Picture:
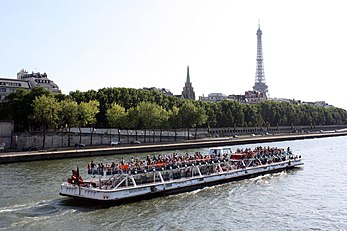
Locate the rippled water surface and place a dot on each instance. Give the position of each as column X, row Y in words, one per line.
column 313, row 197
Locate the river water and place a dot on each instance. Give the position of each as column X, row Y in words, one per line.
column 313, row 197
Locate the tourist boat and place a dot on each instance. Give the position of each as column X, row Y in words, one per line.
column 178, row 173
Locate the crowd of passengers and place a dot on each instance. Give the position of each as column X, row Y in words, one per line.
column 263, row 155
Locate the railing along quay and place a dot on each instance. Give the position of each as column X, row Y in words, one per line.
column 14, row 157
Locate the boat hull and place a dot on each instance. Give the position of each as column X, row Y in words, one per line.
column 147, row 191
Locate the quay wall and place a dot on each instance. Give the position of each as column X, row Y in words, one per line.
column 102, row 151
column 6, row 130
column 93, row 137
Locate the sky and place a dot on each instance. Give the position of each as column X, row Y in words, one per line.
column 88, row 44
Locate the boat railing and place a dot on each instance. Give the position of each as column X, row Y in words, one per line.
column 177, row 164
column 126, row 180
column 161, row 166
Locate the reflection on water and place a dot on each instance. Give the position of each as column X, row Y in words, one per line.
column 312, row 197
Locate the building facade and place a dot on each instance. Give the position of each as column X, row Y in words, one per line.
column 38, row 80
column 249, row 97
column 26, row 81
column 238, row 98
column 213, row 97
column 254, row 97
column 188, row 91
column 8, row 86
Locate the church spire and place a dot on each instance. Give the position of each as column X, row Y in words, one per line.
column 188, row 77
column 188, row 91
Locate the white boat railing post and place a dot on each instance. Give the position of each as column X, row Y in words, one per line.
column 171, row 174
column 133, row 180
column 121, row 182
column 220, row 168
column 161, row 177
column 198, row 171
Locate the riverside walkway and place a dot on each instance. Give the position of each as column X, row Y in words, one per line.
column 14, row 157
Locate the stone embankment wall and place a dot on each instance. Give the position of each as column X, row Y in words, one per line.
column 272, row 130
column 6, row 130
column 89, row 137
column 15, row 157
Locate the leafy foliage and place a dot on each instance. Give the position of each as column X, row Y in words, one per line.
column 69, row 113
column 45, row 111
column 133, row 109
column 86, row 113
column 116, row 116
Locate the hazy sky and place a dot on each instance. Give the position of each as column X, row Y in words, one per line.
column 86, row 44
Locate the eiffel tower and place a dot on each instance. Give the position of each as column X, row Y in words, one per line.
column 260, row 84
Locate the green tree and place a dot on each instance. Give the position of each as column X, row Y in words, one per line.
column 69, row 115
column 228, row 113
column 87, row 116
column 174, row 120
column 131, row 121
column 46, row 113
column 192, row 116
column 150, row 115
column 20, row 106
column 252, row 116
column 116, row 117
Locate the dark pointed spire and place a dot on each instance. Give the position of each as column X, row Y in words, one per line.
column 188, row 91
column 188, row 77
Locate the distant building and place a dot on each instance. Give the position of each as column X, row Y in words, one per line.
column 26, row 81
column 238, row 98
column 322, row 104
column 254, row 97
column 292, row 101
column 213, row 97
column 38, row 80
column 8, row 86
column 161, row 90
column 249, row 97
column 188, row 91
column 318, row 103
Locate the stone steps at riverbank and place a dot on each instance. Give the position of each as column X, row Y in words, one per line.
column 14, row 157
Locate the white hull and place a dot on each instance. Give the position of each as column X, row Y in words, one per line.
column 172, row 186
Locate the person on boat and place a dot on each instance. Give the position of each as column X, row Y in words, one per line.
column 75, row 178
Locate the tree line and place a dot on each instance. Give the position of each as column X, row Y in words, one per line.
column 128, row 108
